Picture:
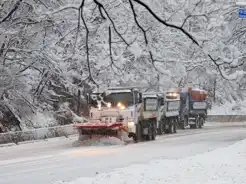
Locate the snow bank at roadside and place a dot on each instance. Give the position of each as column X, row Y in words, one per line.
column 225, row 165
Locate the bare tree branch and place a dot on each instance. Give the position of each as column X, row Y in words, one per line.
column 136, row 21
column 112, row 22
column 41, row 2
column 40, row 82
column 145, row 35
column 175, row 12
column 183, row 31
column 90, row 77
column 110, row 49
column 25, row 68
column 17, row 4
column 167, row 24
column 190, row 16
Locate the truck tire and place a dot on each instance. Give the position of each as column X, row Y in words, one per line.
column 196, row 125
column 160, row 129
column 175, row 121
column 153, row 131
column 181, row 125
column 186, row 121
column 192, row 126
column 171, row 126
column 201, row 122
column 167, row 122
column 150, row 132
column 138, row 136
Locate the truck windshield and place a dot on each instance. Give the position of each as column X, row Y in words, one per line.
column 150, row 104
column 125, row 98
column 95, row 97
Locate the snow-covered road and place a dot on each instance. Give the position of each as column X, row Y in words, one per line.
column 57, row 159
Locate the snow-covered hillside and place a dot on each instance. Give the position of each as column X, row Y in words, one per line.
column 51, row 49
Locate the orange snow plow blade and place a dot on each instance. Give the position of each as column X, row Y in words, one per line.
column 105, row 129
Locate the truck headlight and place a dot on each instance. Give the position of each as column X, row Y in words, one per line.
column 108, row 104
column 99, row 107
column 121, row 106
column 131, row 124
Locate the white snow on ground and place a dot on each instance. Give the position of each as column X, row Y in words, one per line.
column 46, row 162
column 221, row 166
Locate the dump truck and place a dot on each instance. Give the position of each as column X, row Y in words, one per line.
column 193, row 108
column 117, row 112
column 162, row 108
column 153, row 108
column 169, row 112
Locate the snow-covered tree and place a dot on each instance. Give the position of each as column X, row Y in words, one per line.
column 49, row 49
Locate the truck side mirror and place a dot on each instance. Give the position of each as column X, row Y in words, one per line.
column 161, row 101
column 88, row 98
column 140, row 99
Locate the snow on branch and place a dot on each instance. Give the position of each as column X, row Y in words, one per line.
column 165, row 23
column 186, row 33
column 145, row 35
column 190, row 16
column 90, row 77
column 111, row 20
column 110, row 50
column 64, row 8
column 17, row 4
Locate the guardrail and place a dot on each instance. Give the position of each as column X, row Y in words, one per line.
column 66, row 130
column 226, row 118
column 37, row 134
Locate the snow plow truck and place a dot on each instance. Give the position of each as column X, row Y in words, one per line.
column 117, row 112
column 193, row 108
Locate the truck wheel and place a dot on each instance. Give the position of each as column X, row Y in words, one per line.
column 170, row 128
column 197, row 123
column 138, row 136
column 150, row 131
column 160, row 129
column 153, row 131
column 201, row 122
column 175, row 122
column 181, row 125
column 166, row 130
column 185, row 122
